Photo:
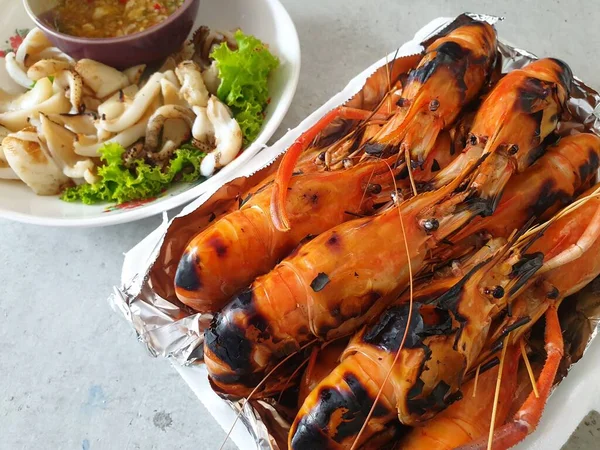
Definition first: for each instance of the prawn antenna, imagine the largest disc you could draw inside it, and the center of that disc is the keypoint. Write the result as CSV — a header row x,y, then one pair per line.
x,y
497,392
476,380
410,174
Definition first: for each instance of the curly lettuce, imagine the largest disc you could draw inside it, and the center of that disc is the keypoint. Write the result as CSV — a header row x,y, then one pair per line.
x,y
244,73
120,184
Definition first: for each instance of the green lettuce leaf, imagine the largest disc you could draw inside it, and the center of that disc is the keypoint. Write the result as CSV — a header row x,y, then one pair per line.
x,y
244,73
120,184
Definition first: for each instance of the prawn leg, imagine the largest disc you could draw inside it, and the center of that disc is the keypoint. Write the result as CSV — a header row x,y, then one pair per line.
x,y
286,168
527,418
589,236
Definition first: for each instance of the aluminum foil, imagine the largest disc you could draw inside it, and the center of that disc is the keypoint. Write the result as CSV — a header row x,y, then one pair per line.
x,y
169,329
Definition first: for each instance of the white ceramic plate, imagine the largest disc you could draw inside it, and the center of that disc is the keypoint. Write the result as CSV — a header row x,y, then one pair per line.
x,y
266,19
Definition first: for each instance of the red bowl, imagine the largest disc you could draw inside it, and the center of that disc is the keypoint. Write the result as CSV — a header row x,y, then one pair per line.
x,y
148,46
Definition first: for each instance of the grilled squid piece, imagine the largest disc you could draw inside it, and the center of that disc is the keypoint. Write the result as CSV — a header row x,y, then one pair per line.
x,y
116,104
41,92
205,40
102,79
228,137
72,84
35,59
125,138
203,131
56,54
46,67
192,84
211,78
6,172
30,161
156,124
34,43
171,92
60,143
34,103
134,74
80,123
134,112
16,71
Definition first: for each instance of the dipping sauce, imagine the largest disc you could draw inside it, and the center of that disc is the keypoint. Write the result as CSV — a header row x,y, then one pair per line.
x,y
109,18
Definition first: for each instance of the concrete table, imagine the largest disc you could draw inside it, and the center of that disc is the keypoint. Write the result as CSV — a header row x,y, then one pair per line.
x,y
72,375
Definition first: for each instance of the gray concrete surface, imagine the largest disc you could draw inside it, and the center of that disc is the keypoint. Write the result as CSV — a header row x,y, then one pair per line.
x,y
72,375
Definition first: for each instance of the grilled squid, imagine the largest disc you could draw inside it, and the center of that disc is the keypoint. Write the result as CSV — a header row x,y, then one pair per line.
x,y
227,134
33,165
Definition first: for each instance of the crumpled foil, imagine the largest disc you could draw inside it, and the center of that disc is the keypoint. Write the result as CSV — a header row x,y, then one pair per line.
x,y
170,329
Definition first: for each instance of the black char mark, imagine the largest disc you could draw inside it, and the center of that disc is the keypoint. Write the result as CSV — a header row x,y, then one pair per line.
x,y
588,168
565,74
320,281
553,294
186,276
449,300
354,403
548,196
264,186
229,343
532,94
218,246
334,242
304,240
374,149
403,174
245,200
524,269
489,365
389,330
479,205
450,56
437,400
460,21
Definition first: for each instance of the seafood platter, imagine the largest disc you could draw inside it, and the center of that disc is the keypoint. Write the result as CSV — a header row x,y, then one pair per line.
x,y
413,267
105,121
